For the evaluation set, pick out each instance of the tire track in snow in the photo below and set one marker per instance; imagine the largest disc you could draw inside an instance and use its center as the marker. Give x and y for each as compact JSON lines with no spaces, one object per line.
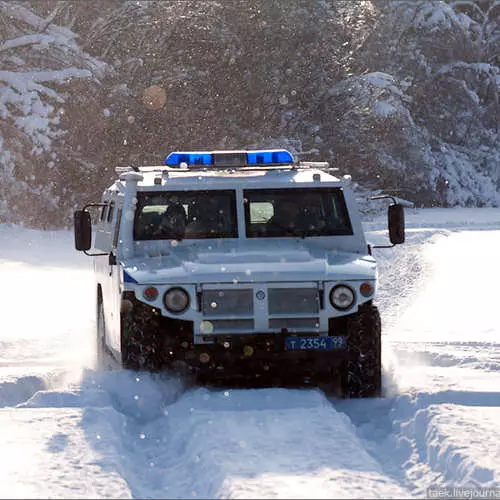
{"x":264,"y":443}
{"x":257,"y":443}
{"x":426,"y":439}
{"x":439,"y":427}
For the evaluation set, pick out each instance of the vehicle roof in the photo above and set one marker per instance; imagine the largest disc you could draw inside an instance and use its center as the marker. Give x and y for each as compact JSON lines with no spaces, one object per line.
{"x":231,"y":178}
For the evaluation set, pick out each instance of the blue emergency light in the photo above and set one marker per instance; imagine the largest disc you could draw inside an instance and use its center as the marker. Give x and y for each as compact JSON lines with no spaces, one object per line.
{"x":229,"y":158}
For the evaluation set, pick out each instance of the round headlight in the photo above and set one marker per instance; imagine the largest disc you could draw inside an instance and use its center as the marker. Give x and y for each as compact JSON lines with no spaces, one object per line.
{"x":342,"y":297}
{"x":176,"y":300}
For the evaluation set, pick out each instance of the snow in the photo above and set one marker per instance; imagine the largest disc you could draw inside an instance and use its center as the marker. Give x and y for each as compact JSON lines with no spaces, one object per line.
{"x":384,"y":108}
{"x":381,"y":80}
{"x":46,"y":454}
{"x":67,"y":431}
{"x":434,"y":16}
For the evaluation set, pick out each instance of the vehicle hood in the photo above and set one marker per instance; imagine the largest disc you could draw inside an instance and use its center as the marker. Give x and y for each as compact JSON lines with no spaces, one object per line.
{"x":259,"y":261}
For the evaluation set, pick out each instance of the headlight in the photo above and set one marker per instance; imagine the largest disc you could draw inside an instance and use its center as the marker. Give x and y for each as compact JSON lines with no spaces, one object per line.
{"x":342,"y":297}
{"x":176,"y":300}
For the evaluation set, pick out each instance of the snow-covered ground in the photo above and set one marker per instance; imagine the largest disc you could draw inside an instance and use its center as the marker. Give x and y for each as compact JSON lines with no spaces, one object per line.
{"x":67,"y":431}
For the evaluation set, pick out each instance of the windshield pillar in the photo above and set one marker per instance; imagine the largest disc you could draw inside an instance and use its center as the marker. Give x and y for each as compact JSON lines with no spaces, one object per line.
{"x":240,"y":214}
{"x":130,"y":200}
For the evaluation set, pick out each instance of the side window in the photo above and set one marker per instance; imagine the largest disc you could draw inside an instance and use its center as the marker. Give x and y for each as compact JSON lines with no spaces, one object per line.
{"x":103,"y":212}
{"x":111,"y":210}
{"x":117,"y":228}
{"x":339,"y":218}
{"x":335,"y":208}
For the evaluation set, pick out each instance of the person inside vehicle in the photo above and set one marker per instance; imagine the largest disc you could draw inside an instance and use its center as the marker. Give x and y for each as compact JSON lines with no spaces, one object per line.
{"x":284,"y":219}
{"x":310,"y":218}
{"x":174,"y":220}
{"x":205,"y":217}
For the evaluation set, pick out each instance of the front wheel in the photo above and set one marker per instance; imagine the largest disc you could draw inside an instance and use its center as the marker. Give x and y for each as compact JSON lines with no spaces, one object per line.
{"x":139,"y":337}
{"x":362,"y":372}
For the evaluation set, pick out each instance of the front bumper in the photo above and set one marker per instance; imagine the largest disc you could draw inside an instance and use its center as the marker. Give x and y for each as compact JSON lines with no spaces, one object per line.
{"x":252,"y":353}
{"x":235,"y":352}
{"x":246,"y":309}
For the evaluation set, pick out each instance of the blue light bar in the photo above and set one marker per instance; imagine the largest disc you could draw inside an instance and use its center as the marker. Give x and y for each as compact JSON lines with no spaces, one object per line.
{"x":191,"y":158}
{"x":230,"y":158}
{"x":269,"y":157}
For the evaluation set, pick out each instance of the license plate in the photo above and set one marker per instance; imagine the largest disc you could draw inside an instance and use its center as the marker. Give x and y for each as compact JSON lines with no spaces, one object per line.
{"x":315,"y":343}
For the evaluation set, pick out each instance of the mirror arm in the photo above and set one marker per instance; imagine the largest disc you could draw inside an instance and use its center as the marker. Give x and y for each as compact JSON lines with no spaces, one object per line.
{"x":95,"y":205}
{"x":383,"y":246}
{"x":395,"y":200}
{"x":383,"y":196}
{"x":94,"y":254}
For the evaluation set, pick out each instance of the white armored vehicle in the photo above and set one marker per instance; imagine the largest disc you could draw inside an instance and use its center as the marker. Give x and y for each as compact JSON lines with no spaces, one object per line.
{"x":237,"y":262}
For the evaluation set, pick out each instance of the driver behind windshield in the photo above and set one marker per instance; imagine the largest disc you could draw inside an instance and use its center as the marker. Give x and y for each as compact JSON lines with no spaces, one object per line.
{"x":174,"y":220}
{"x":285,"y":217}
{"x":206,"y":216}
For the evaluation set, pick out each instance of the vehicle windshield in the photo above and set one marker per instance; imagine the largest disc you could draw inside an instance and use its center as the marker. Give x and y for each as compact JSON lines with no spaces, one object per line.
{"x":296,"y":212}
{"x":185,"y":214}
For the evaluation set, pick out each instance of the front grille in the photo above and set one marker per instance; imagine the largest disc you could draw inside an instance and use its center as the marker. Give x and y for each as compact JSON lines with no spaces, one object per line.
{"x":293,"y":301}
{"x":294,"y":323}
{"x":231,"y":325}
{"x":229,"y":302}
{"x":259,"y":309}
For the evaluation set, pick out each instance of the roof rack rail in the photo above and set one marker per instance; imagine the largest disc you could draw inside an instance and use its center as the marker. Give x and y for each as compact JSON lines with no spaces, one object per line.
{"x":248,"y":168}
{"x":300,"y":165}
{"x":146,"y":168}
{"x":130,"y":168}
{"x":317,"y":164}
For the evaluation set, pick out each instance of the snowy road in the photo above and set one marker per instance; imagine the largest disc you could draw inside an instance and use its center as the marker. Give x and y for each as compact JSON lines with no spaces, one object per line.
{"x":69,"y":432}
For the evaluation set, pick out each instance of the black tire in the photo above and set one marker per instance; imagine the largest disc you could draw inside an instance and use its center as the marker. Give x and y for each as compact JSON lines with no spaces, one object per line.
{"x":139,"y":338}
{"x":362,"y":373}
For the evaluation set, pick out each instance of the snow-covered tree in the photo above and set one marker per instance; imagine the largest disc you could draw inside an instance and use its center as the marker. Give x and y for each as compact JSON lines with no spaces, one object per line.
{"x":445,"y":56}
{"x":485,"y":27}
{"x":404,"y":94}
{"x":230,"y":73}
{"x":40,"y":64}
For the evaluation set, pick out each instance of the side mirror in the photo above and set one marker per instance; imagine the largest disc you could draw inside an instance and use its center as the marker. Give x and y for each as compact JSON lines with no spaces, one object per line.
{"x":83,"y":230}
{"x":396,"y":222}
